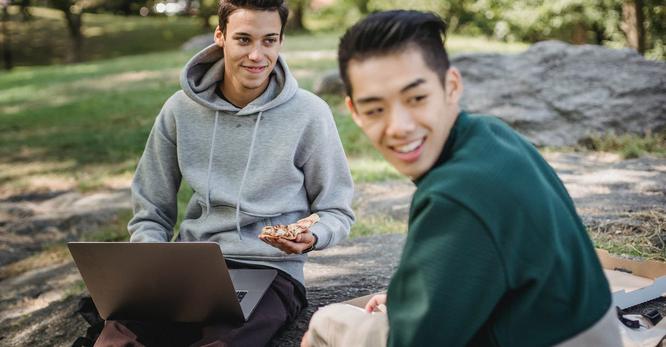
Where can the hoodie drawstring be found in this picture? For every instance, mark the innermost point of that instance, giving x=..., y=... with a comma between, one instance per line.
x=210, y=163
x=247, y=168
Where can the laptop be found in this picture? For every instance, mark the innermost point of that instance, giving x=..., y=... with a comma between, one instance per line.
x=168, y=281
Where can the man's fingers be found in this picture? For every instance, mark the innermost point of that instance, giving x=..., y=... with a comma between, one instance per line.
x=293, y=247
x=305, y=342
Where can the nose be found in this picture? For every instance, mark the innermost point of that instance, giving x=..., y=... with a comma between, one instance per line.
x=400, y=122
x=255, y=53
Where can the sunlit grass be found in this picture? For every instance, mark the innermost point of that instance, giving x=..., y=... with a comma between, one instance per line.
x=628, y=145
x=644, y=236
x=375, y=225
x=372, y=170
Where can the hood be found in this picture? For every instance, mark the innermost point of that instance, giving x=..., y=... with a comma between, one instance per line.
x=205, y=70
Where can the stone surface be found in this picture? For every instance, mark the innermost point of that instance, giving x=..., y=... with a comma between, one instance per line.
x=197, y=43
x=557, y=94
x=329, y=83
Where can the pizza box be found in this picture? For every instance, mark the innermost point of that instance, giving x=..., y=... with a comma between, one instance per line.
x=633, y=282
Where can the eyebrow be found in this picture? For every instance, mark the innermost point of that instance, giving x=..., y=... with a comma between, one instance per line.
x=248, y=34
x=412, y=85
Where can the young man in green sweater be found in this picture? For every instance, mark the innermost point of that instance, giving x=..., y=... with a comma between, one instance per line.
x=495, y=253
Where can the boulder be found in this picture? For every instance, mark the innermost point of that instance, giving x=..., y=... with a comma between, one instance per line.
x=329, y=83
x=557, y=94
x=197, y=43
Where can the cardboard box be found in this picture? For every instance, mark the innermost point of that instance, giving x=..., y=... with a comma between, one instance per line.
x=633, y=282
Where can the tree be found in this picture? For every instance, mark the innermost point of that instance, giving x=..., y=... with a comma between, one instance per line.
x=296, y=14
x=633, y=26
x=362, y=6
x=73, y=11
x=25, y=13
x=207, y=8
x=6, y=43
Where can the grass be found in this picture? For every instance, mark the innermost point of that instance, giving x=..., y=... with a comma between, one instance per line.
x=628, y=145
x=376, y=225
x=641, y=234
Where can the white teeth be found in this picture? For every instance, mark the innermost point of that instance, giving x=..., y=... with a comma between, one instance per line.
x=409, y=147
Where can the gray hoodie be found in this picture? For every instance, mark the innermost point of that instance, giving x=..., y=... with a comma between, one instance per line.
x=274, y=161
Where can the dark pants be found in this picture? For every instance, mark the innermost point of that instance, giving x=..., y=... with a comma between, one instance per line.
x=279, y=306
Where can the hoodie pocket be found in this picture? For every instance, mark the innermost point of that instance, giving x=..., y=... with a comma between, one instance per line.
x=248, y=213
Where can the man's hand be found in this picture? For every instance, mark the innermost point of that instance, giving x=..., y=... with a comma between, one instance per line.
x=376, y=303
x=305, y=342
x=302, y=242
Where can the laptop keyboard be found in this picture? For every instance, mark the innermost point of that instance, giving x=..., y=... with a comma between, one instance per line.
x=240, y=294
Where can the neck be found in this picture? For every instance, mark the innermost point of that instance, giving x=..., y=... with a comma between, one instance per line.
x=239, y=95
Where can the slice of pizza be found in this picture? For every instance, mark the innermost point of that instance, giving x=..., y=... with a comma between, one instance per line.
x=289, y=232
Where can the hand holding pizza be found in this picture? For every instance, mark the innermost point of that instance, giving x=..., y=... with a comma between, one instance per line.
x=293, y=238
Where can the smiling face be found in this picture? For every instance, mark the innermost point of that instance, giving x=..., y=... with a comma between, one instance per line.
x=251, y=46
x=401, y=105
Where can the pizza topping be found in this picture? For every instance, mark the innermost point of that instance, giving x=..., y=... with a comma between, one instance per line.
x=291, y=231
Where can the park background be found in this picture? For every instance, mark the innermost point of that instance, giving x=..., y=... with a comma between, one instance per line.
x=82, y=82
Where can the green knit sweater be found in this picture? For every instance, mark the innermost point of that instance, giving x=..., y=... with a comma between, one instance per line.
x=495, y=254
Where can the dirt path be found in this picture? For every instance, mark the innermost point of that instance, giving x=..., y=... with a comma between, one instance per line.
x=39, y=285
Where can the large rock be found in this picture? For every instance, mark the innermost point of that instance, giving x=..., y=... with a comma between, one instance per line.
x=197, y=43
x=329, y=83
x=557, y=94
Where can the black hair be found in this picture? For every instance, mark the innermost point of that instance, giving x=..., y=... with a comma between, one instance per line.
x=227, y=7
x=388, y=32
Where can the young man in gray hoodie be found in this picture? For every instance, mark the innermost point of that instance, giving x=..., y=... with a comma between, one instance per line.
x=257, y=151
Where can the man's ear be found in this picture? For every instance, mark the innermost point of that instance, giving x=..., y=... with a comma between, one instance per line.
x=454, y=85
x=350, y=106
x=219, y=37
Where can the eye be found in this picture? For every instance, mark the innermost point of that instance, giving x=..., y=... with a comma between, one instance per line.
x=374, y=112
x=415, y=100
x=243, y=40
x=270, y=41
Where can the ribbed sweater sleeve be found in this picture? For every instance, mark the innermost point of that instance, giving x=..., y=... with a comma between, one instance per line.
x=449, y=280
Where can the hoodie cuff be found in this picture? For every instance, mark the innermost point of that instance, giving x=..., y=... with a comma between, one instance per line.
x=314, y=245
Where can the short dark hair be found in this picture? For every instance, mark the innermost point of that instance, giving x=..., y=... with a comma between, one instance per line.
x=387, y=32
x=227, y=7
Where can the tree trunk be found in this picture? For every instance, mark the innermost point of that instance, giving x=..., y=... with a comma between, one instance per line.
x=599, y=33
x=73, y=14
x=25, y=13
x=6, y=43
x=74, y=25
x=633, y=24
x=579, y=35
x=295, y=21
x=362, y=6
x=188, y=8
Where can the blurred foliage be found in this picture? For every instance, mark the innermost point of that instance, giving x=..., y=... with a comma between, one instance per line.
x=72, y=33
x=44, y=39
x=573, y=21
